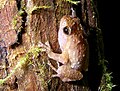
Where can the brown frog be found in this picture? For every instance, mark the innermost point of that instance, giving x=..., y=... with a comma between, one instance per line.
x=74, y=47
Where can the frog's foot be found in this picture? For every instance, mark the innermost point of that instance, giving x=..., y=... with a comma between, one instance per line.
x=45, y=46
x=42, y=45
x=62, y=78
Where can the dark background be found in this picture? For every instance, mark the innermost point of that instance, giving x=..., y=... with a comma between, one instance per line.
x=109, y=20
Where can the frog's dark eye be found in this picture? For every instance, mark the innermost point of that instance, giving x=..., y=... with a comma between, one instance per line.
x=66, y=30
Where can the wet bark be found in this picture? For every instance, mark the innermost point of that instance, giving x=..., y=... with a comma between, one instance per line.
x=26, y=23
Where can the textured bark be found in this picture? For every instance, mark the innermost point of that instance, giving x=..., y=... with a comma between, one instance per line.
x=19, y=32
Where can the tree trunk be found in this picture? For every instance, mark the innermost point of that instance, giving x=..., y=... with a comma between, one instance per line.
x=26, y=23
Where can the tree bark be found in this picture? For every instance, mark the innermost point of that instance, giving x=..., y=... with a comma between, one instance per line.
x=26, y=23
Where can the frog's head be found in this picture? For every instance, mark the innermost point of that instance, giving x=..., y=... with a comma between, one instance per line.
x=69, y=25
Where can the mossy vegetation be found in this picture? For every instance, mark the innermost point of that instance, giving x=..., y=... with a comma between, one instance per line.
x=106, y=81
x=108, y=85
x=24, y=61
x=17, y=21
x=42, y=76
x=37, y=8
x=73, y=1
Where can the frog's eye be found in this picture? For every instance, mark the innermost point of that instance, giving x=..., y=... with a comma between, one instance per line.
x=66, y=30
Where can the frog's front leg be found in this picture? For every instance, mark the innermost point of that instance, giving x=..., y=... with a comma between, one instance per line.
x=62, y=58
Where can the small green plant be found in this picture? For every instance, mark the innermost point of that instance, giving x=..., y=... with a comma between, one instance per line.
x=33, y=52
x=107, y=84
x=106, y=81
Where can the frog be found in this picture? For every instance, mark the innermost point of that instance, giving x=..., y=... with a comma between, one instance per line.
x=74, y=56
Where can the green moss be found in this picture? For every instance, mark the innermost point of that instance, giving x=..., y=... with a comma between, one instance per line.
x=33, y=52
x=14, y=22
x=23, y=4
x=106, y=84
x=21, y=12
x=73, y=1
x=17, y=21
x=42, y=76
x=106, y=81
x=38, y=8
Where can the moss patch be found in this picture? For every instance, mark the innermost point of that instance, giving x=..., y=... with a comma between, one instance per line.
x=38, y=8
x=106, y=81
x=73, y=1
x=32, y=53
